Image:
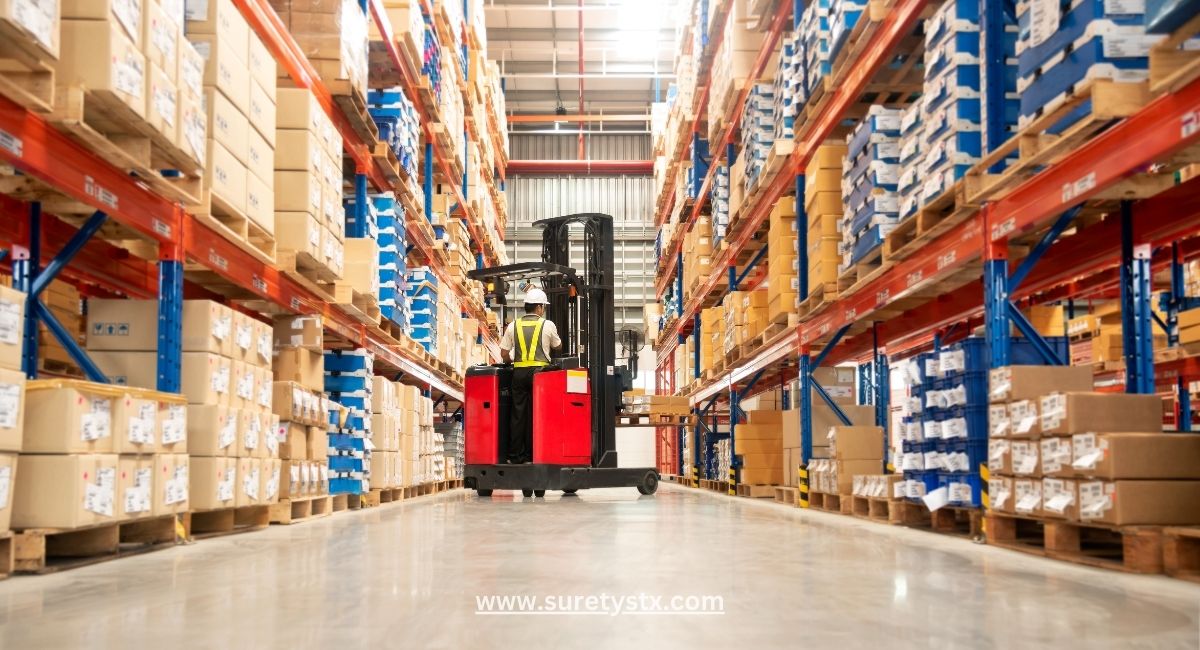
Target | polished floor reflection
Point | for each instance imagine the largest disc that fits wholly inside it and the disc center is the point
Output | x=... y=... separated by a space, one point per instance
x=418 y=575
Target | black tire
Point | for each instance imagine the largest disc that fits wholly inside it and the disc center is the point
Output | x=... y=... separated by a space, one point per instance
x=569 y=492
x=484 y=493
x=526 y=493
x=539 y=493
x=649 y=484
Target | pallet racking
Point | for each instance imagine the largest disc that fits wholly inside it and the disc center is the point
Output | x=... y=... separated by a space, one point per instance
x=957 y=275
x=176 y=250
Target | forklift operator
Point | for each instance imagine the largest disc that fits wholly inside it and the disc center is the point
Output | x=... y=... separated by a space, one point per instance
x=528 y=351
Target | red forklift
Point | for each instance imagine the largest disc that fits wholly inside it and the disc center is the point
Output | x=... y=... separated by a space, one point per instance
x=577 y=397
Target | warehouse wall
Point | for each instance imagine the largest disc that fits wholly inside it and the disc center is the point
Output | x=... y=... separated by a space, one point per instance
x=629 y=199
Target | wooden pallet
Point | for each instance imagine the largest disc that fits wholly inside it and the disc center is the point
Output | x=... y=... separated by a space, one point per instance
x=354 y=106
x=838 y=503
x=232 y=223
x=958 y=522
x=47 y=550
x=294 y=511
x=818 y=297
x=26 y=71
x=1036 y=147
x=1181 y=553
x=873 y=508
x=201 y=524
x=654 y=419
x=861 y=272
x=1170 y=67
x=941 y=214
x=111 y=130
x=7 y=554
x=1135 y=549
x=788 y=496
x=340 y=502
x=364 y=307
x=756 y=491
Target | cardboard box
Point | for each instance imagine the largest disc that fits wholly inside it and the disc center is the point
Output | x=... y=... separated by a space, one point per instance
x=857 y=443
x=293 y=441
x=848 y=469
x=160 y=40
x=76 y=418
x=135 y=369
x=207 y=378
x=262 y=69
x=999 y=456
x=1083 y=412
x=220 y=17
x=135 y=486
x=1027 y=496
x=190 y=73
x=762 y=476
x=1136 y=455
x=297 y=108
x=291 y=487
x=823 y=420
x=260 y=203
x=298 y=191
x=1025 y=458
x=12 y=327
x=299 y=331
x=101 y=56
x=12 y=409
x=293 y=403
x=261 y=114
x=162 y=104
x=39 y=28
x=171 y=484
x=212 y=430
x=1060 y=499
x=1055 y=453
x=172 y=428
x=1015 y=383
x=318 y=443
x=241 y=337
x=1000 y=494
x=1023 y=418
x=253 y=432
x=260 y=157
x=249 y=482
x=1123 y=503
x=134 y=425
x=212 y=483
x=301 y=365
x=225 y=176
x=298 y=150
x=271 y=476
x=193 y=134
x=65 y=491
x=223 y=69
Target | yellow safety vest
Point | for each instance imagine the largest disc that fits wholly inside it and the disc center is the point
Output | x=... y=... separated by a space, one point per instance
x=529 y=347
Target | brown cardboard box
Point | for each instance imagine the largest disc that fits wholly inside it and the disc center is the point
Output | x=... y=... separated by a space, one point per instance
x=299 y=331
x=242 y=337
x=293 y=441
x=136 y=369
x=39 y=29
x=271 y=476
x=1055 y=453
x=1027 y=496
x=848 y=469
x=134 y=425
x=260 y=201
x=823 y=420
x=160 y=40
x=12 y=321
x=226 y=124
x=212 y=430
x=8 y=477
x=241 y=385
x=1014 y=383
x=223 y=18
x=135 y=486
x=1000 y=493
x=12 y=409
x=162 y=104
x=225 y=175
x=298 y=150
x=298 y=191
x=758 y=432
x=253 y=431
x=762 y=475
x=262 y=68
x=297 y=108
x=289 y=474
x=318 y=443
x=206 y=378
x=1135 y=502
x=289 y=402
x=1025 y=458
x=212 y=483
x=857 y=443
x=72 y=419
x=1023 y=418
x=65 y=491
x=1136 y=455
x=249 y=482
x=193 y=135
x=1083 y=412
x=260 y=111
x=207 y=327
x=1060 y=499
x=999 y=456
x=171 y=484
x=190 y=74
x=172 y=428
x=101 y=56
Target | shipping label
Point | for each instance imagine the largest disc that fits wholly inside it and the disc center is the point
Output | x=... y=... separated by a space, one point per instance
x=228 y=432
x=175 y=426
x=129 y=15
x=5 y=485
x=10 y=322
x=244 y=336
x=129 y=75
x=1085 y=454
x=272 y=488
x=250 y=484
x=225 y=486
x=98 y=497
x=176 y=489
x=998 y=420
x=250 y=436
x=10 y=405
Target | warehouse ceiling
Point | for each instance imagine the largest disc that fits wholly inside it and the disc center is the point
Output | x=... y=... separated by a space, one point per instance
x=627 y=53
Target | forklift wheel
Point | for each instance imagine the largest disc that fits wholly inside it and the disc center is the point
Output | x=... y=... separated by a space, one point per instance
x=539 y=493
x=484 y=493
x=649 y=484
x=565 y=492
x=526 y=493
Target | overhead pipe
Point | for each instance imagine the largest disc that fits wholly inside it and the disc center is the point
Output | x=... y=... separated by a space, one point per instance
x=581 y=147
x=580 y=167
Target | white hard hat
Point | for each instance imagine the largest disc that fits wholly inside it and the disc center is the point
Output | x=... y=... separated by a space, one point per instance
x=536 y=296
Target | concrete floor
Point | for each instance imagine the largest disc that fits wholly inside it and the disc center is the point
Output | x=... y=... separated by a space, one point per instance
x=407 y=576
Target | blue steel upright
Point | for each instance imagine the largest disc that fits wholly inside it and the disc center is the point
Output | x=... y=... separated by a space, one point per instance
x=170 y=324
x=1135 y=308
x=25 y=266
x=801 y=238
x=427 y=181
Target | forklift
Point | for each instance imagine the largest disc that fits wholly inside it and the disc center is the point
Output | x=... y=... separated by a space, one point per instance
x=577 y=397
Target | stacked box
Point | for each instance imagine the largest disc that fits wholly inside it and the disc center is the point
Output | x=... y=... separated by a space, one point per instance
x=387 y=420
x=844 y=15
x=697 y=262
x=870 y=176
x=789 y=86
x=349 y=386
x=1097 y=337
x=393 y=244
x=239 y=103
x=732 y=64
x=1059 y=51
x=712 y=325
x=12 y=396
x=452 y=447
x=823 y=205
x=839 y=383
x=816 y=38
x=332 y=35
x=722 y=208
x=912 y=157
x=783 y=266
x=308 y=179
x=64 y=302
x=422 y=292
x=758 y=130
x=745 y=317
x=399 y=127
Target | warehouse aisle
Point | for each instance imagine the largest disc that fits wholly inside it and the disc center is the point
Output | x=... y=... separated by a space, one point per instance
x=409 y=576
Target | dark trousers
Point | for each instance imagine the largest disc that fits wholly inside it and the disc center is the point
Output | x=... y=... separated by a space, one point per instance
x=520 y=434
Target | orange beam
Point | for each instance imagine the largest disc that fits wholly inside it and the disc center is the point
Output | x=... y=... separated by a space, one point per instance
x=577 y=117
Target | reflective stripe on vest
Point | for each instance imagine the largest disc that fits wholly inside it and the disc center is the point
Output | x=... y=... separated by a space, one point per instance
x=529 y=348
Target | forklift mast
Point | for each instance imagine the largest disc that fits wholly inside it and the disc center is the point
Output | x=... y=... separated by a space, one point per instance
x=597 y=323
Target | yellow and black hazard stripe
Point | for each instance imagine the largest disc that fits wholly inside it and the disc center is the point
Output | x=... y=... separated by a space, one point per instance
x=985 y=477
x=802 y=485
x=732 y=482
x=695 y=476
